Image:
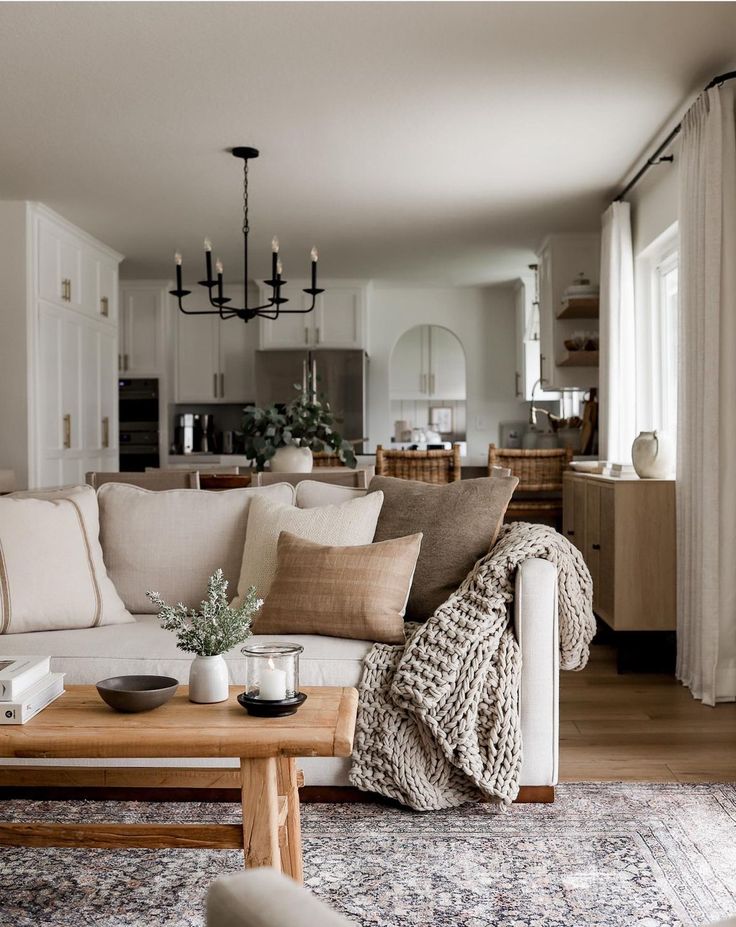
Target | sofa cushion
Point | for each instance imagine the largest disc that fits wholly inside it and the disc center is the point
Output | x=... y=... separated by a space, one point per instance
x=312 y=493
x=352 y=523
x=172 y=541
x=459 y=521
x=358 y=591
x=88 y=655
x=52 y=573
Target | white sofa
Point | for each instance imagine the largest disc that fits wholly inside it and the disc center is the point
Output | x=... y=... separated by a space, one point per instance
x=91 y=654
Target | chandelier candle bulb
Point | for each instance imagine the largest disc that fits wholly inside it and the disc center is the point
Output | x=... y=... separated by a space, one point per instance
x=218 y=268
x=274 y=256
x=208 y=258
x=177 y=260
x=315 y=257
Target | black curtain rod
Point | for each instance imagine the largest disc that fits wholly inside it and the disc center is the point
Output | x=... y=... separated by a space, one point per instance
x=658 y=157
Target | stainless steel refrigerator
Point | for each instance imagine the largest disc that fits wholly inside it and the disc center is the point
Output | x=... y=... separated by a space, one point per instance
x=341 y=377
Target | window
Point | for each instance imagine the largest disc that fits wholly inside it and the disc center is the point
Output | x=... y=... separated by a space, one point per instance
x=657 y=320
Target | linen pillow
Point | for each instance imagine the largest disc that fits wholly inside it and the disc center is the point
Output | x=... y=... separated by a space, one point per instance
x=350 y=524
x=358 y=592
x=459 y=521
x=52 y=574
x=311 y=493
x=172 y=541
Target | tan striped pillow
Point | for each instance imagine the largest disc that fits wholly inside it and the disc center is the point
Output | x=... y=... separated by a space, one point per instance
x=357 y=592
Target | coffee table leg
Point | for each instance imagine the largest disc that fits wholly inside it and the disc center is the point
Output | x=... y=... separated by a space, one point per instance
x=291 y=859
x=260 y=812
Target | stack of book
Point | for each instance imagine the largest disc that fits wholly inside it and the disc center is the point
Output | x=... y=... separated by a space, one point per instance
x=27 y=686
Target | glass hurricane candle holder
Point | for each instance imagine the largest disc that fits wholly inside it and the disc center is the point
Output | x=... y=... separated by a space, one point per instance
x=271 y=679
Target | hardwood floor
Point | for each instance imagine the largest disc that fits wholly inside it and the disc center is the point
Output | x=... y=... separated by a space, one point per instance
x=641 y=727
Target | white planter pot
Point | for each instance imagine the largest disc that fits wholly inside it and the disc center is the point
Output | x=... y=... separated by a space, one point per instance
x=653 y=456
x=208 y=680
x=292 y=459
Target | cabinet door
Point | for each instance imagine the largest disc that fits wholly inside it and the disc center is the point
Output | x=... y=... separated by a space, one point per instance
x=197 y=358
x=288 y=331
x=71 y=382
x=446 y=365
x=50 y=414
x=606 y=564
x=50 y=283
x=547 y=369
x=107 y=290
x=141 y=330
x=237 y=381
x=91 y=398
x=592 y=551
x=338 y=321
x=409 y=371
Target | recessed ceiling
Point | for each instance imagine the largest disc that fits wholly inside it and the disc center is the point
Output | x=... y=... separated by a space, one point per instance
x=417 y=142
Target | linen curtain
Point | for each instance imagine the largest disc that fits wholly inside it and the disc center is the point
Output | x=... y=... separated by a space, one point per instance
x=617 y=401
x=706 y=446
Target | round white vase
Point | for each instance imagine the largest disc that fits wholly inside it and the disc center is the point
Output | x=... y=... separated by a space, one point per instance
x=292 y=459
x=208 y=680
x=653 y=455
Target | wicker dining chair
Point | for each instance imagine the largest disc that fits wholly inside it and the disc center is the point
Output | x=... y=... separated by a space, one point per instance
x=426 y=466
x=326 y=459
x=538 y=497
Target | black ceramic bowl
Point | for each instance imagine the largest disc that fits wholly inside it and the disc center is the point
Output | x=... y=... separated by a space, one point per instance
x=137 y=693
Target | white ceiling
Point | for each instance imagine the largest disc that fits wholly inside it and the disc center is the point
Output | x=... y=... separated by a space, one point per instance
x=429 y=142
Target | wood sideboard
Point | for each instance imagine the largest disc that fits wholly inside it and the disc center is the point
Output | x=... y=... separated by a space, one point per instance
x=625 y=530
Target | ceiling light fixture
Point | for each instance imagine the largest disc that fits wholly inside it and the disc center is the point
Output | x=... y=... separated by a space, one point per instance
x=272 y=309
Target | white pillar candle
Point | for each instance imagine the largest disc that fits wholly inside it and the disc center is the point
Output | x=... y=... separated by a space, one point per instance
x=273 y=683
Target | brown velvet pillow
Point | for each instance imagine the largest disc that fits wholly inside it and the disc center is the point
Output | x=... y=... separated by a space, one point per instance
x=459 y=521
x=358 y=592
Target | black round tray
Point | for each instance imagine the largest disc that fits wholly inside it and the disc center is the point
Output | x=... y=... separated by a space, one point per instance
x=271 y=708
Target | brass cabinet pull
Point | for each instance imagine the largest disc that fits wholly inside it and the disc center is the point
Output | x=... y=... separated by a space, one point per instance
x=214 y=384
x=431 y=384
x=125 y=361
x=106 y=432
x=67 y=431
x=306 y=335
x=66 y=290
x=222 y=386
x=518 y=378
x=318 y=339
x=104 y=306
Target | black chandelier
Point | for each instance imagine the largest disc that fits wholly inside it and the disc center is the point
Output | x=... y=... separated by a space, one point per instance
x=272 y=309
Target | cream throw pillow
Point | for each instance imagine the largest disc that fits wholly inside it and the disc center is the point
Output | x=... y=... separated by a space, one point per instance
x=356 y=592
x=172 y=541
x=347 y=525
x=311 y=493
x=52 y=575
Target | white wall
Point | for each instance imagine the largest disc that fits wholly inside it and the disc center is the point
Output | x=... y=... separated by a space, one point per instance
x=483 y=319
x=654 y=204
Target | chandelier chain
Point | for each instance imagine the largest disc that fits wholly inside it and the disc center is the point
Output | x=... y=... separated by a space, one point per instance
x=246 y=224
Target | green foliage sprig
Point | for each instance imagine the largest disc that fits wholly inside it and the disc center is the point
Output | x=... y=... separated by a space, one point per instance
x=305 y=421
x=216 y=627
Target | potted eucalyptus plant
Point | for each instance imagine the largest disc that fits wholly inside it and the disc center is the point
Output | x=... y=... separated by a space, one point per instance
x=208 y=633
x=286 y=435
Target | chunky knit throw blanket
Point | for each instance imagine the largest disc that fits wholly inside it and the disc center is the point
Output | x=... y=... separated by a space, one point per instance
x=438 y=717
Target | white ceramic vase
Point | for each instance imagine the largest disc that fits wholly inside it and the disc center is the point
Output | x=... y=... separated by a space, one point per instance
x=208 y=680
x=292 y=459
x=653 y=455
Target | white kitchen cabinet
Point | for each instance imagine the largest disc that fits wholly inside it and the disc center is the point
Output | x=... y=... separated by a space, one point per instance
x=142 y=328
x=527 y=345
x=58 y=370
x=337 y=321
x=428 y=362
x=214 y=360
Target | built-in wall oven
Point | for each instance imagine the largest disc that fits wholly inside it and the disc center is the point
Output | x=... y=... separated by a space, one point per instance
x=139 y=423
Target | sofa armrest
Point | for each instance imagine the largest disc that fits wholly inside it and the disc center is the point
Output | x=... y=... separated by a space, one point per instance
x=265 y=898
x=535 y=623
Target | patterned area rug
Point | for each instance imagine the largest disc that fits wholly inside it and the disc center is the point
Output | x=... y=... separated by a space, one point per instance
x=604 y=855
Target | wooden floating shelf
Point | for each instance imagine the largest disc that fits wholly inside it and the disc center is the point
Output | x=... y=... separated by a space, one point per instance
x=583 y=308
x=578 y=359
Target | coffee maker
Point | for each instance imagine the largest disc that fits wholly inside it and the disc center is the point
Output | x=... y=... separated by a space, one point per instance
x=194 y=434
x=204 y=434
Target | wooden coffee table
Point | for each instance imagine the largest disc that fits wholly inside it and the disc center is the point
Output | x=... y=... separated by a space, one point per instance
x=79 y=724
